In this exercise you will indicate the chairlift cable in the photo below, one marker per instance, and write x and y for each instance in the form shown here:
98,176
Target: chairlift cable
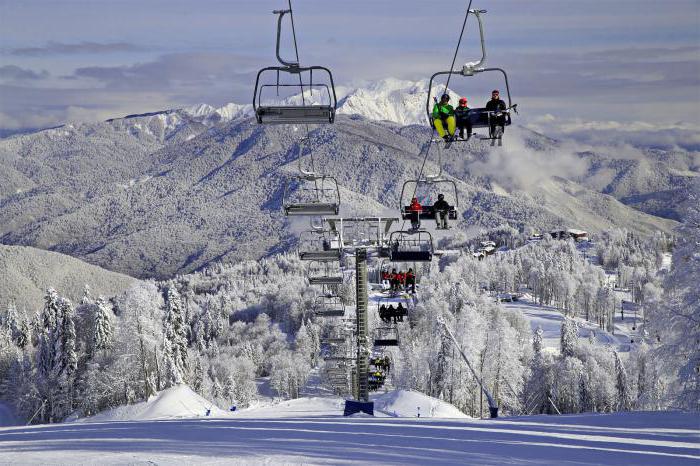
447,84
459,42
301,87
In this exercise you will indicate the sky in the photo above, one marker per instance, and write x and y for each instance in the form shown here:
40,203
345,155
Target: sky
582,67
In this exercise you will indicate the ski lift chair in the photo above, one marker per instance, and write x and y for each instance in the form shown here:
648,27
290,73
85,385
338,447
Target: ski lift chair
318,246
411,246
270,109
329,306
433,187
479,117
309,194
323,273
386,336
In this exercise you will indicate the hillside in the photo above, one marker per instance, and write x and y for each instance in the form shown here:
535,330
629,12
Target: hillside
159,194
27,272
154,196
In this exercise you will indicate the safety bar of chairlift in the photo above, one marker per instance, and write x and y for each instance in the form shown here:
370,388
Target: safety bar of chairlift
474,71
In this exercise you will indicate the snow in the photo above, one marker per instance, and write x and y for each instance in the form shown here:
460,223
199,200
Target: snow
639,438
550,320
176,402
405,403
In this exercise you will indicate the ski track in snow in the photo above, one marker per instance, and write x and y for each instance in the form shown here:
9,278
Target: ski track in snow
650,439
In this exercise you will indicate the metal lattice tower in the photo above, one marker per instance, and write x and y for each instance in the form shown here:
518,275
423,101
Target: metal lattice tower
362,389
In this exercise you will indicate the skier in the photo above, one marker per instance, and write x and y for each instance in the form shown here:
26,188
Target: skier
444,118
462,117
498,122
441,209
415,210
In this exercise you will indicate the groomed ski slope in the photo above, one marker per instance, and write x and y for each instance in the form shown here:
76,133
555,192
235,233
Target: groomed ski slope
312,431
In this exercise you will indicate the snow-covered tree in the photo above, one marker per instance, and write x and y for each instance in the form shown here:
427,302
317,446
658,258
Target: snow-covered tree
102,327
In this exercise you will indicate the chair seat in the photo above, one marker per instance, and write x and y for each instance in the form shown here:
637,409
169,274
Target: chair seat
321,256
411,256
290,114
386,342
312,208
325,280
428,213
331,313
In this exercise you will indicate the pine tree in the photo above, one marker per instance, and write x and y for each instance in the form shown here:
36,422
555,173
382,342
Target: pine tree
229,392
175,332
569,337
198,377
537,341
102,327
624,398
87,297
216,389
173,375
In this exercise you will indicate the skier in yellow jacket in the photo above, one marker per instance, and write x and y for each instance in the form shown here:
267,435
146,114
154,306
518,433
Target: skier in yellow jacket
444,118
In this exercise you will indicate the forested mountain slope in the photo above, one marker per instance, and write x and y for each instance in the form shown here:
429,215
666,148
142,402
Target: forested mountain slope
157,195
27,273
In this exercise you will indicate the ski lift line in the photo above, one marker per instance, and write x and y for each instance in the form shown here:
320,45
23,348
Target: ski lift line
459,42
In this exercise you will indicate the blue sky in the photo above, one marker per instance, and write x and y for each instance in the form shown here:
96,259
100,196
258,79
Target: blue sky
570,62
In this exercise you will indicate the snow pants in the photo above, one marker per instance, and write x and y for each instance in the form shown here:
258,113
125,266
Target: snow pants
440,126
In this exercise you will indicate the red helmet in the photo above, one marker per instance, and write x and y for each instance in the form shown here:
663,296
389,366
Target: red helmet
463,100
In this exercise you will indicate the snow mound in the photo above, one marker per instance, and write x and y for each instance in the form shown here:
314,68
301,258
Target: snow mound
406,403
396,403
173,403
300,407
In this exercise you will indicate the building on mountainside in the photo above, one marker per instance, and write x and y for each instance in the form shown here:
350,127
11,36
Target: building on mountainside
575,234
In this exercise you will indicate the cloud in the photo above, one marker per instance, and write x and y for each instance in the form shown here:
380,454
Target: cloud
60,48
15,73
517,165
684,135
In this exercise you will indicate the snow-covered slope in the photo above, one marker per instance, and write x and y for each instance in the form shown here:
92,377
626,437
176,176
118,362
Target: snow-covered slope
621,439
175,402
27,272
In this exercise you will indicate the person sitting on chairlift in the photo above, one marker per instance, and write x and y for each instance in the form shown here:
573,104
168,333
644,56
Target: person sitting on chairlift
411,280
415,209
444,118
462,117
497,118
393,280
441,209
400,312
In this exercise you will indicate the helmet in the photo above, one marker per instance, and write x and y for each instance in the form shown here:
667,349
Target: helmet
441,197
463,100
445,97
